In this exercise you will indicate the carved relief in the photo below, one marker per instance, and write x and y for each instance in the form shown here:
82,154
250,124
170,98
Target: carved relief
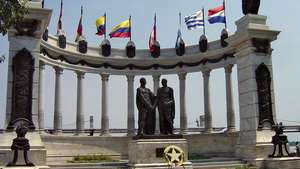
263,80
23,67
262,45
27,27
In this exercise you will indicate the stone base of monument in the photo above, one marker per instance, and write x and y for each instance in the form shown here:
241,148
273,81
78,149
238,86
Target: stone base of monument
149,153
21,167
37,153
277,163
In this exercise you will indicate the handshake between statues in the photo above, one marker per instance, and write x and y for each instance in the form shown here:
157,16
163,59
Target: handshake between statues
147,103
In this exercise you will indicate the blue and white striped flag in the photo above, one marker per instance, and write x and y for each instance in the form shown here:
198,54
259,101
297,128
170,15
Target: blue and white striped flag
195,21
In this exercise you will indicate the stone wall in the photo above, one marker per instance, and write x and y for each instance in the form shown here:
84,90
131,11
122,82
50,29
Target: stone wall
207,144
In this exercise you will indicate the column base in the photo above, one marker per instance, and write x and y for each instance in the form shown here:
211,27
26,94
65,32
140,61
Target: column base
57,132
231,130
79,133
130,133
183,132
105,133
210,130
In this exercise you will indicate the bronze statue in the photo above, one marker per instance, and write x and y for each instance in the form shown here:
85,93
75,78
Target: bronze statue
145,101
20,143
250,6
279,140
166,108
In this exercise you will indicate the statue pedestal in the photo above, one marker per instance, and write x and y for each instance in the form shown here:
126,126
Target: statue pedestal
37,153
149,153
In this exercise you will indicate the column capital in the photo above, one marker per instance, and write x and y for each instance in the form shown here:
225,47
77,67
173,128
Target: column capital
80,75
156,77
42,65
130,78
58,70
228,68
206,73
104,76
182,76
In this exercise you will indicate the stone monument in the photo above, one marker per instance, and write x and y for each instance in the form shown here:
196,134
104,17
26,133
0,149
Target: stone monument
252,41
23,82
146,150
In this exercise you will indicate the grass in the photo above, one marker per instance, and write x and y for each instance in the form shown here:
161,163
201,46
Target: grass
91,159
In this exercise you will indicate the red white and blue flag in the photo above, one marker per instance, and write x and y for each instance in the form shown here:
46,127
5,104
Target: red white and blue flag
217,15
79,28
152,38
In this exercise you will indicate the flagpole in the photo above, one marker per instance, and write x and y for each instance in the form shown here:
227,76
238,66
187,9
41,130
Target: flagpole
180,20
155,26
130,27
204,29
224,3
105,25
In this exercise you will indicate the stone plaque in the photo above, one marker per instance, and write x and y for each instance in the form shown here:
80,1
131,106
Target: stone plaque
23,68
263,80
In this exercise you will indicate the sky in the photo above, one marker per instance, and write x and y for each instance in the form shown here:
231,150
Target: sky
281,16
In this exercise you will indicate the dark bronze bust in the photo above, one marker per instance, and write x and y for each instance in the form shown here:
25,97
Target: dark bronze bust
250,6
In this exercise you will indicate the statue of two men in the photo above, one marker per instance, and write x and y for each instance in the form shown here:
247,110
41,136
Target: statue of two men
147,102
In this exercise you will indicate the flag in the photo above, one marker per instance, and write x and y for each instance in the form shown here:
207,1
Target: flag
179,39
217,15
152,38
59,24
79,29
101,25
195,20
122,30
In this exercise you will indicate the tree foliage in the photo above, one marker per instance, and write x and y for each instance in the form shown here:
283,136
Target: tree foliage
11,12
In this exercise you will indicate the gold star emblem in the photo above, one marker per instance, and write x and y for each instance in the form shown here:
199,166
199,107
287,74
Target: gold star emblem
174,155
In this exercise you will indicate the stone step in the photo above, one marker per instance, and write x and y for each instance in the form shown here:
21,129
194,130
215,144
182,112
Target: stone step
108,165
21,167
226,163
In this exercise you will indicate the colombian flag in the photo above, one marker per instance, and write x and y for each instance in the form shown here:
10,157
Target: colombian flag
100,24
122,30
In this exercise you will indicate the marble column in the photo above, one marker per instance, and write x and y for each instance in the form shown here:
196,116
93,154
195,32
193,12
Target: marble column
207,106
57,101
130,106
104,117
80,98
229,100
156,79
41,115
183,114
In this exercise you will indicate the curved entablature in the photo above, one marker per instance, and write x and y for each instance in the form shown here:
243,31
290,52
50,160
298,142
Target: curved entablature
142,64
